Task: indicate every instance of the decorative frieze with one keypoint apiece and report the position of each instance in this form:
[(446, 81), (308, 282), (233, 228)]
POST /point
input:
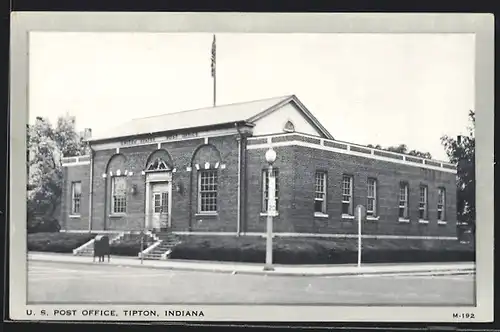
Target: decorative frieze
[(283, 140)]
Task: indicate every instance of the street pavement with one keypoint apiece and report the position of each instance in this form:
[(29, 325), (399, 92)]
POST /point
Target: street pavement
[(66, 282)]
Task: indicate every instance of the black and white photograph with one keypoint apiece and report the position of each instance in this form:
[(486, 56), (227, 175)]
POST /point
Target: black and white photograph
[(246, 172)]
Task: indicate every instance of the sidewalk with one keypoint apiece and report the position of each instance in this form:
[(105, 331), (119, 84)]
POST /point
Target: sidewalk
[(251, 268)]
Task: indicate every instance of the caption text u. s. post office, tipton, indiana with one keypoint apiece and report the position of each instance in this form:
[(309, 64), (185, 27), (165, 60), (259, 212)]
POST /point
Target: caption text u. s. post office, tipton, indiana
[(204, 171)]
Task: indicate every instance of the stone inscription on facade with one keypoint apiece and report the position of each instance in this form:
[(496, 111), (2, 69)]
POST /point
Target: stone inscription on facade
[(175, 137)]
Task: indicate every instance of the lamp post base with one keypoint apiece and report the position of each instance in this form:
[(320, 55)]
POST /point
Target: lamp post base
[(268, 268)]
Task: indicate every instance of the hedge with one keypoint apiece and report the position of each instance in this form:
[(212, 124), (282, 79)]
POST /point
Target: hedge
[(66, 242), (252, 249), (129, 246), (42, 224), (321, 251), (57, 242)]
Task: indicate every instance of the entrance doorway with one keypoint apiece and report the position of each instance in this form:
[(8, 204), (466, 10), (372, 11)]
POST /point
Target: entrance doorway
[(160, 216), (158, 200)]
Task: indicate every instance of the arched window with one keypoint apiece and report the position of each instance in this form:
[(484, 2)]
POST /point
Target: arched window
[(117, 183), (206, 154), (208, 178), (289, 127)]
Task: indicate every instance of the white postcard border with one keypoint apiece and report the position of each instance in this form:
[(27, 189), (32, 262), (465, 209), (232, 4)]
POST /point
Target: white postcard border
[(482, 25)]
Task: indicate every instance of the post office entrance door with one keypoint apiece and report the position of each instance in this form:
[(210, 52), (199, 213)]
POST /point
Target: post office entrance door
[(160, 202)]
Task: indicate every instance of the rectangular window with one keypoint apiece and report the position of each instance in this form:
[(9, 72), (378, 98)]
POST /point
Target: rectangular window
[(119, 194), (207, 191), (422, 206), (320, 192), (164, 202), (347, 204), (371, 206), (157, 202), (403, 201), (265, 189), (76, 195), (160, 202), (441, 204)]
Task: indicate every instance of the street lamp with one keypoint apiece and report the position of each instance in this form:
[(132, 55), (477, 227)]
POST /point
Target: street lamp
[(271, 208)]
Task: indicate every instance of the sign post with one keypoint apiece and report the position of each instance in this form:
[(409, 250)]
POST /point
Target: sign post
[(360, 214), (142, 247)]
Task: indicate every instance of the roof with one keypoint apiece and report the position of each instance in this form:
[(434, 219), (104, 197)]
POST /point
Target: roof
[(206, 117)]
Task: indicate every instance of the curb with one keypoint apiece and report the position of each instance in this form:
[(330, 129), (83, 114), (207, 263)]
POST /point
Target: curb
[(438, 272)]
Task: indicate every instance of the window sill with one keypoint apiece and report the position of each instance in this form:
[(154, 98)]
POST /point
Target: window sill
[(402, 220), (264, 214), (74, 216), (372, 218), (423, 221), (442, 222), (117, 215), (347, 216), (207, 214), (320, 215)]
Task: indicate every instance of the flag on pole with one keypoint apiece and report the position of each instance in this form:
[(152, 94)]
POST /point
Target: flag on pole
[(213, 57)]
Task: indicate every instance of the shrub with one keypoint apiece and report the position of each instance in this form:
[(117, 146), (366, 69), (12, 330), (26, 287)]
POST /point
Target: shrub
[(57, 242), (252, 249), (130, 245), (320, 251), (42, 224)]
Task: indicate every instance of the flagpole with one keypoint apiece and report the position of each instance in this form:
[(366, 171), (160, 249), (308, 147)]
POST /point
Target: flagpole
[(214, 71), (215, 88)]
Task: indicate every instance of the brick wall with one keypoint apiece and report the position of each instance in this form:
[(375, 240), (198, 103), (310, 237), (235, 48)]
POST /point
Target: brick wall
[(256, 164), (297, 167), (226, 218), (72, 174), (184, 185)]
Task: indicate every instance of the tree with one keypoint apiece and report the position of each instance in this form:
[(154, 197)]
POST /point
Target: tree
[(402, 148), (461, 151), (46, 148), (425, 155)]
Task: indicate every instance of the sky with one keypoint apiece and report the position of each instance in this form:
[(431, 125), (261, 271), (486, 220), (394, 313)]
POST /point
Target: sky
[(386, 89)]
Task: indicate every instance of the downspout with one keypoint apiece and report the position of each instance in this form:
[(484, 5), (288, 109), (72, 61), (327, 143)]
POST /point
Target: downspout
[(91, 186), (245, 185), (238, 225), (106, 197), (190, 207)]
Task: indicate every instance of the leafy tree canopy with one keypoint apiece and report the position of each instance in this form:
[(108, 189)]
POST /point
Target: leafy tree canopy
[(402, 148), (461, 151), (47, 145)]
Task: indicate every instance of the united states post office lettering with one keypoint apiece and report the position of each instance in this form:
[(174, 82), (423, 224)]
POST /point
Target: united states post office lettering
[(65, 312)]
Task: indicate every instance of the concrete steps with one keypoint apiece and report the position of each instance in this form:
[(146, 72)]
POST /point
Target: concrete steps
[(88, 248), (162, 249), (163, 242)]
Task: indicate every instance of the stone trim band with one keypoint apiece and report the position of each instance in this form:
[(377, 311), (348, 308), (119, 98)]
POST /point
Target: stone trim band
[(346, 148)]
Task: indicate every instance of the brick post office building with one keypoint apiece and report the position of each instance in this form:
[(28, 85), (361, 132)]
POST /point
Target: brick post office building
[(204, 171)]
